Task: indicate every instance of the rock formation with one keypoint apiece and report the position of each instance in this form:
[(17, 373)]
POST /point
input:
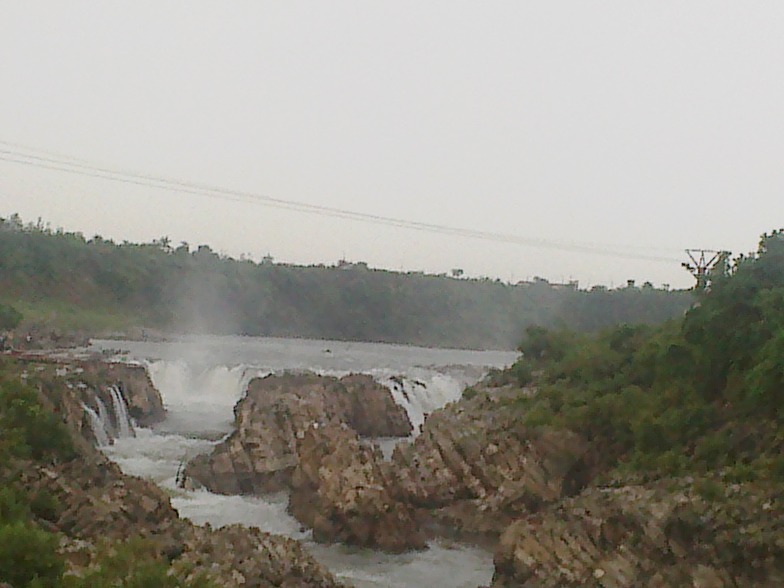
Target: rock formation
[(88, 500), (647, 536), (339, 490), (145, 404), (272, 419), (476, 469)]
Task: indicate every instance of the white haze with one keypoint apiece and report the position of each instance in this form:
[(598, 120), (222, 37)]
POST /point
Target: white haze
[(632, 124)]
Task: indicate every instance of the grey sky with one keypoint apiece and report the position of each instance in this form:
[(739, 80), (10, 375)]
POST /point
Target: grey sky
[(656, 124)]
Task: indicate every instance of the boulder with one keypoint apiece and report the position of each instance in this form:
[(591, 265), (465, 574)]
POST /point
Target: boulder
[(271, 420), (241, 557), (340, 490)]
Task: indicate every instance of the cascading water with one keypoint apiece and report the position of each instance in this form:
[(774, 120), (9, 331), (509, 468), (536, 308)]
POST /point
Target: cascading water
[(200, 399), (106, 428), (103, 414), (97, 425), (421, 392), (124, 426), (199, 394)]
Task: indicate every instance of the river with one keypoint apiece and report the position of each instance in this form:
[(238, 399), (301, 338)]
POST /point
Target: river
[(202, 378)]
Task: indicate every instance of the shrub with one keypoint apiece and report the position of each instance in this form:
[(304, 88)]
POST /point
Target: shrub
[(28, 557), (27, 429)]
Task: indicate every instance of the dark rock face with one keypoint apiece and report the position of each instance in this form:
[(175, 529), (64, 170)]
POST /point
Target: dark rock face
[(340, 490), (653, 536), (271, 420)]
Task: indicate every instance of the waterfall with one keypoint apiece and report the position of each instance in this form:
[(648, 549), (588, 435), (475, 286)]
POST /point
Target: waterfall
[(124, 424), (97, 425), (103, 414), (421, 395)]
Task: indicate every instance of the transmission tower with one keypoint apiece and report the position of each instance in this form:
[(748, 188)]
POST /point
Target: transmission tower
[(702, 262)]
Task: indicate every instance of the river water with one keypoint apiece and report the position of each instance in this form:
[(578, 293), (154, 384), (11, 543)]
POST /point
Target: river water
[(202, 378)]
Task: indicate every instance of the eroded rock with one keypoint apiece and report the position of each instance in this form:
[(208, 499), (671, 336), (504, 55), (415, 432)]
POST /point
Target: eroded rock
[(340, 490), (476, 468), (652, 536), (271, 420)]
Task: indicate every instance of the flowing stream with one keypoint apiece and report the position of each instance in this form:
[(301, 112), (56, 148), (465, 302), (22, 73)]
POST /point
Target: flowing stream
[(202, 378)]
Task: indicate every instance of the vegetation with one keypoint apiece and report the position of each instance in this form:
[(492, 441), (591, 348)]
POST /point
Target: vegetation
[(29, 557), (62, 279), (696, 395), (9, 317)]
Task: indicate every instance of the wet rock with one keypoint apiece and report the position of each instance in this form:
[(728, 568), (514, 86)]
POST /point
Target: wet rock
[(145, 404), (340, 490), (271, 420)]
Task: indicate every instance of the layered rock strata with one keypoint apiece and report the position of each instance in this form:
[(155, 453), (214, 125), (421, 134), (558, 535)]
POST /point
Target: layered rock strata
[(88, 500), (71, 385), (340, 490), (657, 537), (475, 468), (272, 419)]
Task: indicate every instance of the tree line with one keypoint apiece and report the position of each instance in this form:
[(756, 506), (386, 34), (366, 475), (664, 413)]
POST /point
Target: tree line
[(64, 279)]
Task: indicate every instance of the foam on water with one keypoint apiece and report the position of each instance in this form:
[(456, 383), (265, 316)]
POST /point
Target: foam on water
[(200, 399), (98, 427), (124, 426), (200, 393)]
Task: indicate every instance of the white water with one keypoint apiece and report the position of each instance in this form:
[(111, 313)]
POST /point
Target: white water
[(104, 428), (201, 379), (124, 426), (103, 414), (98, 427)]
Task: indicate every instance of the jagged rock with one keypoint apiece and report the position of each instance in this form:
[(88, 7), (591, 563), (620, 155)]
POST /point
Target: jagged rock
[(145, 404), (238, 557), (339, 490), (653, 536), (88, 500), (260, 455), (476, 468), (68, 385)]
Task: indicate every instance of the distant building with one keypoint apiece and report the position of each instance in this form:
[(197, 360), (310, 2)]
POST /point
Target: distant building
[(348, 265)]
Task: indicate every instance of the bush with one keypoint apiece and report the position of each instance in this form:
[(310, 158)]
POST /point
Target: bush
[(28, 557), (27, 429), (9, 317), (135, 563)]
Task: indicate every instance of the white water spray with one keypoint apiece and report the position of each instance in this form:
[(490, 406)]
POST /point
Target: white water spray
[(124, 426), (97, 425)]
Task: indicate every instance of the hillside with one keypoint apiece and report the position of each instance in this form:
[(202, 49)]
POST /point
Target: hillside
[(62, 279)]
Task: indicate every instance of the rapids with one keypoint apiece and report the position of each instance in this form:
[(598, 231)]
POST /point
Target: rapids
[(202, 378)]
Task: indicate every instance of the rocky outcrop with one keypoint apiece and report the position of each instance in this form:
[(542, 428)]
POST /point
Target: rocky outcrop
[(68, 385), (651, 536), (475, 468), (271, 420), (88, 501), (340, 490), (239, 557), (94, 501), (144, 402)]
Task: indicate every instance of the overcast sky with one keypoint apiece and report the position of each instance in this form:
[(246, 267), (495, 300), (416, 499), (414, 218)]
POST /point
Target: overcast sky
[(641, 127)]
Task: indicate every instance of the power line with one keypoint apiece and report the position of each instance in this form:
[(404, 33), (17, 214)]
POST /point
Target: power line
[(19, 154)]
